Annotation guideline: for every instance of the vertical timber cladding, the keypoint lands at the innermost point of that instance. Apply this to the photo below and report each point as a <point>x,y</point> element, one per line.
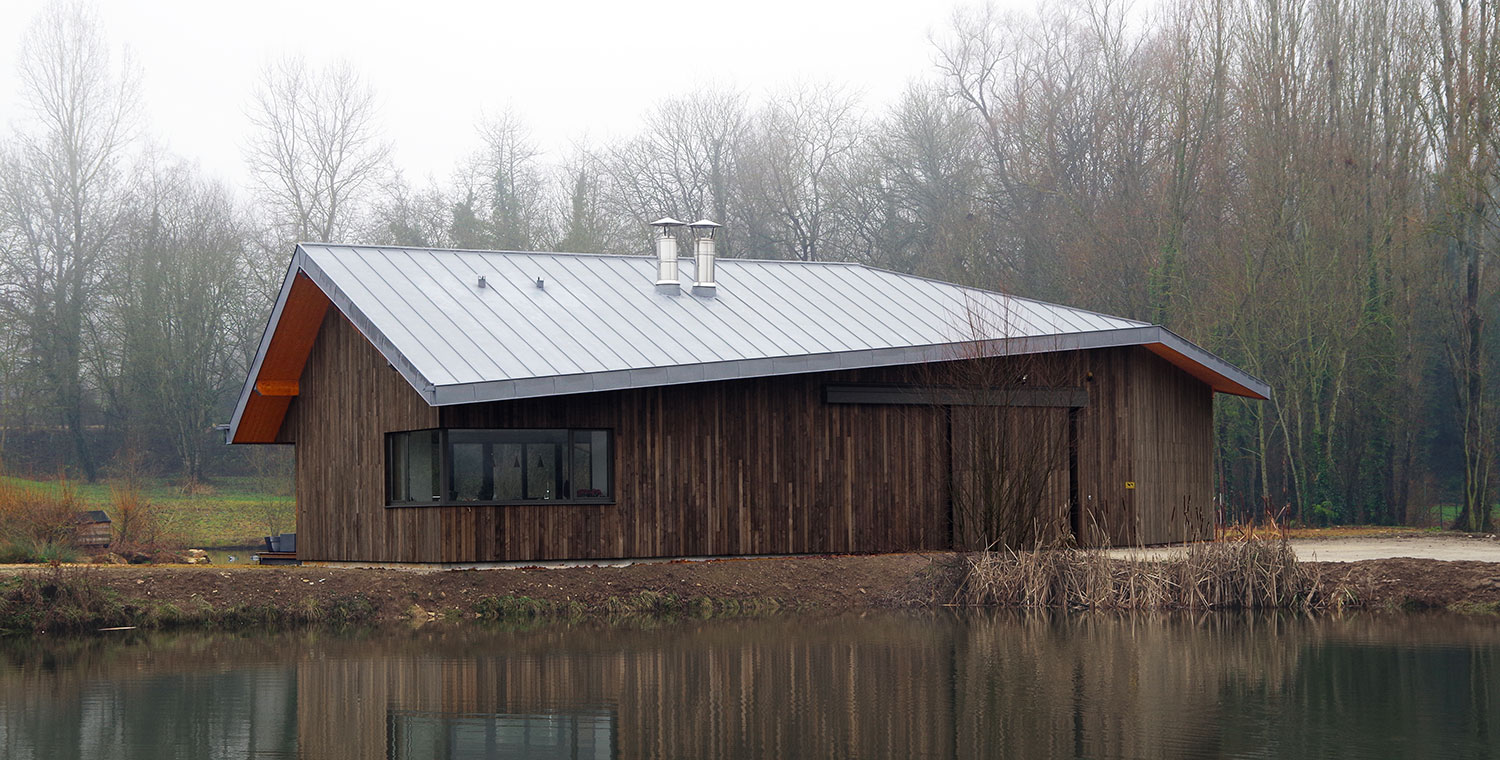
<point>1144,445</point>
<point>758,466</point>
<point>742,467</point>
<point>348,398</point>
<point>1145,451</point>
<point>1173,425</point>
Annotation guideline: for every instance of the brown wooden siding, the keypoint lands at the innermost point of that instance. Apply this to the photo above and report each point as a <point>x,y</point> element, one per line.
<point>760,466</point>
<point>660,693</point>
<point>349,397</point>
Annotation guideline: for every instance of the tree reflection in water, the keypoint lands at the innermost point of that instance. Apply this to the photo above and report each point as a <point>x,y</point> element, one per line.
<point>878,685</point>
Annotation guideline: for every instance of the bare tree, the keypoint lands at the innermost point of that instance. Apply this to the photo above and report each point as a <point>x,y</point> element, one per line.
<point>795,169</point>
<point>502,196</point>
<point>1010,440</point>
<point>317,154</point>
<point>60,199</point>
<point>178,320</point>
<point>585,225</point>
<point>682,164</point>
<point>1462,123</point>
<point>405,215</point>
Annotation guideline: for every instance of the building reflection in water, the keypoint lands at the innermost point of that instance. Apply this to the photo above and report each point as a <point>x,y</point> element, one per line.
<point>448,736</point>
<point>880,685</point>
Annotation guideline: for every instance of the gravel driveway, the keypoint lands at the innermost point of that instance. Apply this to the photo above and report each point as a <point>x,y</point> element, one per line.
<point>1452,547</point>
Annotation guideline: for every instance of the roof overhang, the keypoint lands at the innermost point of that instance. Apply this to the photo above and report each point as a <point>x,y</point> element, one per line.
<point>1216,373</point>
<point>275,373</point>
<point>308,291</point>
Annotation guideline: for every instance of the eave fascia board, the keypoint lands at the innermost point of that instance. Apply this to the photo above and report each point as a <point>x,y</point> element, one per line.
<point>505,390</point>
<point>1260,389</point>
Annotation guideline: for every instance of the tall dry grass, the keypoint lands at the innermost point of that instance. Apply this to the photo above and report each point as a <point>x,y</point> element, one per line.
<point>1249,574</point>
<point>140,525</point>
<point>38,523</point>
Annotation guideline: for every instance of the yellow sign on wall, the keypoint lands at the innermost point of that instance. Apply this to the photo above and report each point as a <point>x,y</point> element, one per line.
<point>1130,485</point>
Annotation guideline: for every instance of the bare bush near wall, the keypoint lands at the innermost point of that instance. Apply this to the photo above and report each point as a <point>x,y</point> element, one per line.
<point>1009,458</point>
<point>1248,574</point>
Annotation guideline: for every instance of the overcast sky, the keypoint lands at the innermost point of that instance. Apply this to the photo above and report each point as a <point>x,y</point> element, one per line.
<point>572,69</point>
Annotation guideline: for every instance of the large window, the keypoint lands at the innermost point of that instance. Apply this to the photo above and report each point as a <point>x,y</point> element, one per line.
<point>498,467</point>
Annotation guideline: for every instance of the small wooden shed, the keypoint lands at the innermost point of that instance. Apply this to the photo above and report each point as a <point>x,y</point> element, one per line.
<point>458,408</point>
<point>94,529</point>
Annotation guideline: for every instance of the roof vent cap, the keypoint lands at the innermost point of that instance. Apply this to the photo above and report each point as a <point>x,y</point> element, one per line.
<point>703,278</point>
<point>666,255</point>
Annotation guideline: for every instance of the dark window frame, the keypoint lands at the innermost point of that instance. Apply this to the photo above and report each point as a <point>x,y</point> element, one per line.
<point>445,469</point>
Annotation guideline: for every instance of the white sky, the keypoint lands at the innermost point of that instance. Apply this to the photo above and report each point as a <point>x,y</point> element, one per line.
<point>570,68</point>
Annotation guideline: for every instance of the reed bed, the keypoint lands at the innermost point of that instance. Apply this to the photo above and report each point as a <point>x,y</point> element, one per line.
<point>1255,573</point>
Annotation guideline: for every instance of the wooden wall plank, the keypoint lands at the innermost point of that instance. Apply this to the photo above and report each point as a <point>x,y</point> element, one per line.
<point>752,466</point>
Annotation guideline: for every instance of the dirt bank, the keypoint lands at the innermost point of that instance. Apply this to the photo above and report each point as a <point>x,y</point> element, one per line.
<point>827,583</point>
<point>830,583</point>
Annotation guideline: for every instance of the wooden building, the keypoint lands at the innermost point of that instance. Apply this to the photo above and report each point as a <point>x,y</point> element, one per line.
<point>468,407</point>
<point>93,529</point>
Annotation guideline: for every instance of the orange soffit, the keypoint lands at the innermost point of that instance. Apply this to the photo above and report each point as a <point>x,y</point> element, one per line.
<point>1191,366</point>
<point>276,383</point>
<point>276,387</point>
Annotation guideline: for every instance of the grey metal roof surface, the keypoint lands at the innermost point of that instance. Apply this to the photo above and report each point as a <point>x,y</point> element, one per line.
<point>599,323</point>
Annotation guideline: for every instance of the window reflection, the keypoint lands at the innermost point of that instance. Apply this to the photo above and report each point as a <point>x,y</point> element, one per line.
<point>501,466</point>
<point>458,736</point>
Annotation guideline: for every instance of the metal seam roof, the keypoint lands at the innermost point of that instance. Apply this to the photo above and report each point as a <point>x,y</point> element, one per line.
<point>599,323</point>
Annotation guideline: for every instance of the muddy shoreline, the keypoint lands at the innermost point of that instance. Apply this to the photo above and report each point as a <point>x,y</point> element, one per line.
<point>735,586</point>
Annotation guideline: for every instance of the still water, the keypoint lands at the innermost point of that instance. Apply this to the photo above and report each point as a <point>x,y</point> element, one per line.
<point>879,685</point>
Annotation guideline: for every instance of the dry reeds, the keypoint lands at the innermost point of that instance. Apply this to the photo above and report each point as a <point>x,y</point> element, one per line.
<point>1249,574</point>
<point>139,524</point>
<point>38,523</point>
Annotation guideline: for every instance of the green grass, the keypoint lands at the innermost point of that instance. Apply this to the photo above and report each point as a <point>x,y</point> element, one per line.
<point>234,513</point>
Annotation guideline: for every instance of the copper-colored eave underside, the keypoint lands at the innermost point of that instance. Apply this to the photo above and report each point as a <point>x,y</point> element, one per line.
<point>1212,379</point>
<point>280,371</point>
<point>297,328</point>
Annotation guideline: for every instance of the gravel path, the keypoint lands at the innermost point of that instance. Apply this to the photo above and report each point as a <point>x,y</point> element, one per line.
<point>1453,547</point>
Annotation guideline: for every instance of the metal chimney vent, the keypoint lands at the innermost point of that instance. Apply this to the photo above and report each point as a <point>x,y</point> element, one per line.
<point>666,255</point>
<point>703,278</point>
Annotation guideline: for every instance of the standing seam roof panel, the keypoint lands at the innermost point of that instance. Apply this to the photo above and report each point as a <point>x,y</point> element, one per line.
<point>508,316</point>
<point>379,314</point>
<point>481,307</point>
<point>443,301</point>
<point>834,297</point>
<point>641,343</point>
<point>754,286</point>
<point>419,304</point>
<point>599,322</point>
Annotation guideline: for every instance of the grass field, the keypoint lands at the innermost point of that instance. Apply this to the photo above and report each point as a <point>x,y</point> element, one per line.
<point>229,512</point>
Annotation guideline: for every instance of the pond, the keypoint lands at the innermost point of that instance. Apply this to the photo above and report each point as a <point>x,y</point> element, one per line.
<point>899,685</point>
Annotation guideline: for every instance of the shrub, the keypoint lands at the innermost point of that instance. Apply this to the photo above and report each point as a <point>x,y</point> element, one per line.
<point>60,600</point>
<point>38,523</point>
<point>140,525</point>
<point>1247,574</point>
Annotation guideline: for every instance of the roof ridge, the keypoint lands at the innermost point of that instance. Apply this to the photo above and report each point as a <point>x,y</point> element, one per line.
<point>579,254</point>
